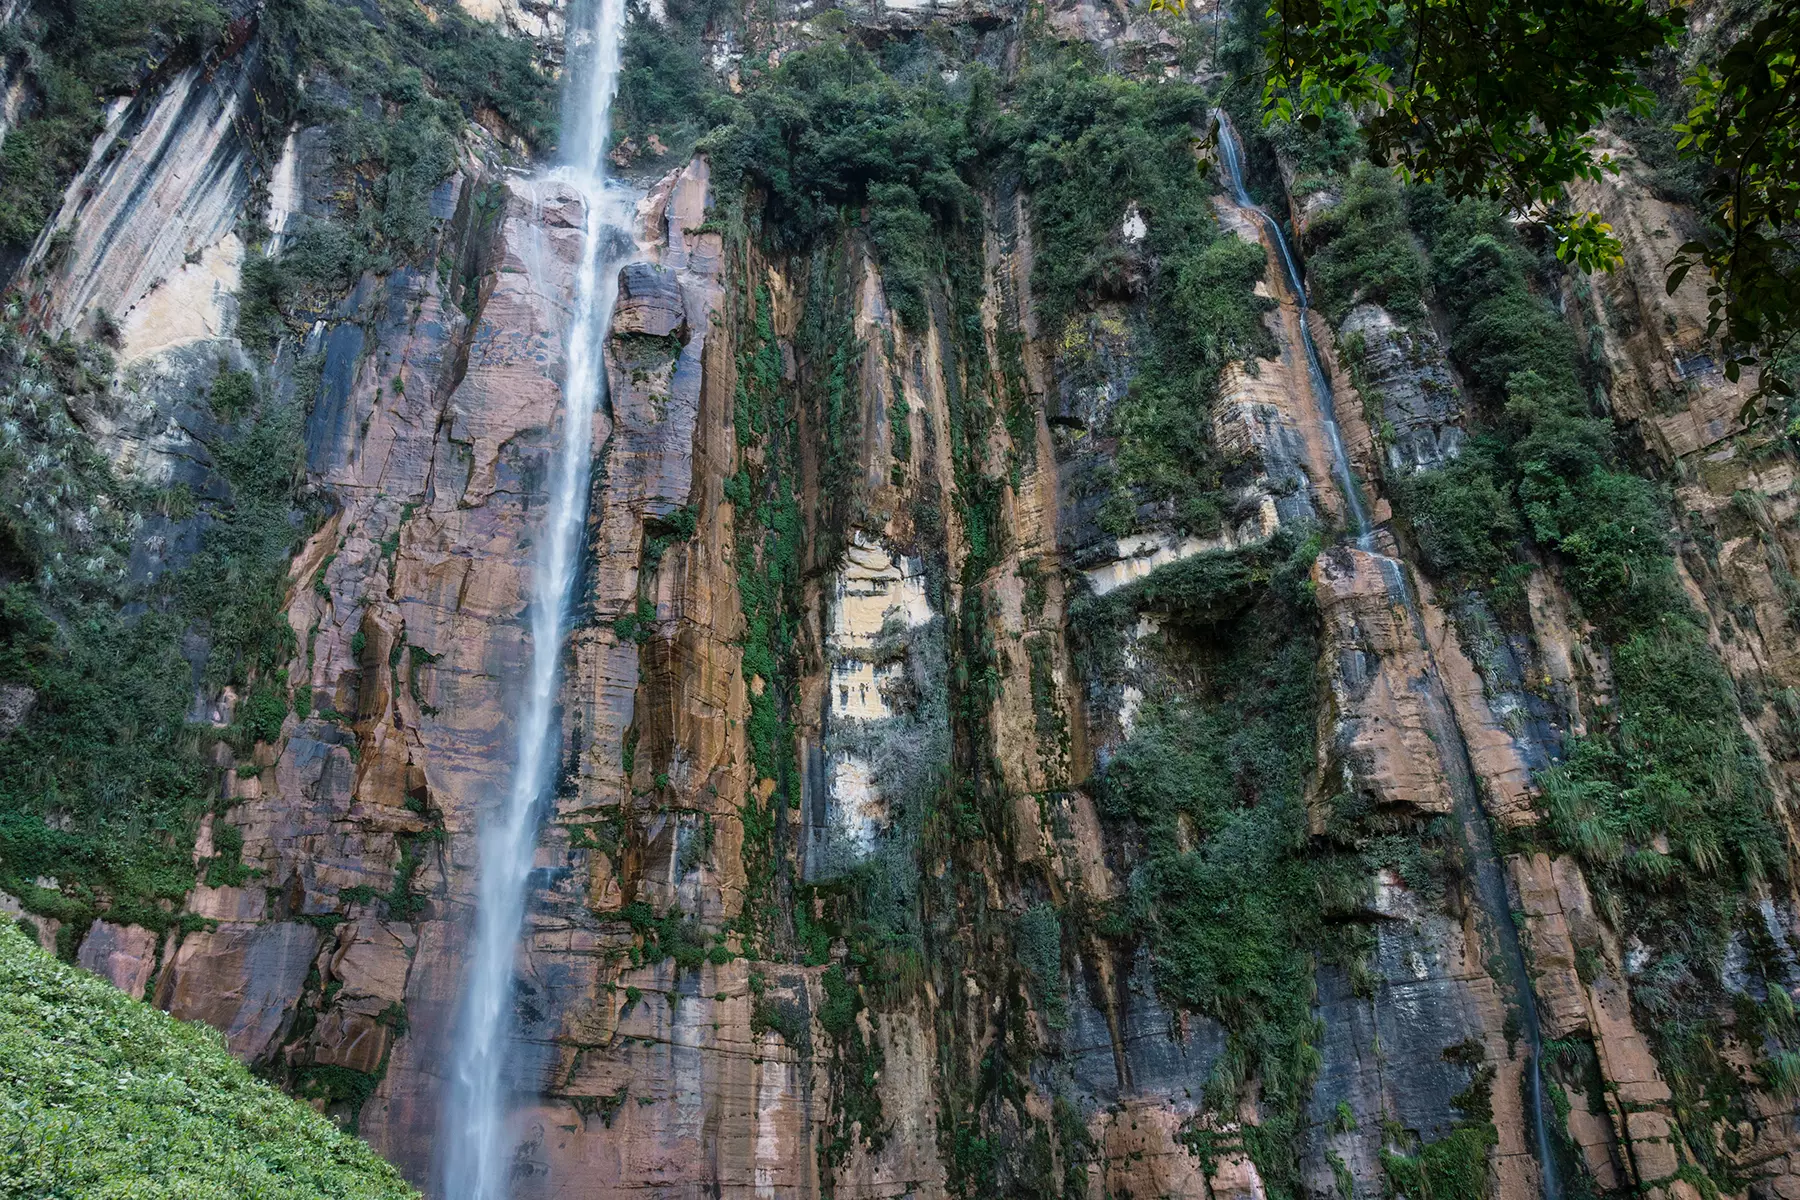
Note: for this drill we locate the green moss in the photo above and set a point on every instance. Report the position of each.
(671, 935)
(101, 1093)
(1364, 250)
(1455, 1167)
(856, 1064)
(1232, 897)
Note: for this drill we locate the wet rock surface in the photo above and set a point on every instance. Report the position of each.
(726, 1072)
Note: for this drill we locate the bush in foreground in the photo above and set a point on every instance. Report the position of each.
(102, 1095)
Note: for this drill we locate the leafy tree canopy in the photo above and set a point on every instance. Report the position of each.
(1500, 98)
(1495, 98)
(1746, 124)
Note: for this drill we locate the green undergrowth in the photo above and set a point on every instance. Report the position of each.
(1320, 158)
(413, 76)
(1234, 899)
(1674, 761)
(1084, 143)
(102, 783)
(667, 90)
(828, 136)
(1363, 250)
(770, 540)
(102, 1095)
(77, 55)
(1455, 1167)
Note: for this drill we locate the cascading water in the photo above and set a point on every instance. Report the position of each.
(1478, 842)
(1233, 156)
(473, 1155)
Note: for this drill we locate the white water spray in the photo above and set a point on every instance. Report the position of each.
(474, 1152)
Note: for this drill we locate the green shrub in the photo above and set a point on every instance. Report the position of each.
(1455, 1167)
(666, 88)
(1234, 900)
(233, 394)
(1463, 515)
(1085, 143)
(1321, 156)
(107, 749)
(1364, 250)
(827, 133)
(101, 1094)
(77, 54)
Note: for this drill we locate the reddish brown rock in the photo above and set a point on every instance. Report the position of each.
(123, 955)
(243, 980)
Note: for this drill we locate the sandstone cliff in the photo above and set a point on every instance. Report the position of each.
(949, 805)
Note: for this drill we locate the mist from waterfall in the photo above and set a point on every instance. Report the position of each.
(474, 1153)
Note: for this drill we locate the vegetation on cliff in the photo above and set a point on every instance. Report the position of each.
(394, 89)
(77, 55)
(1085, 143)
(102, 1095)
(103, 780)
(1666, 802)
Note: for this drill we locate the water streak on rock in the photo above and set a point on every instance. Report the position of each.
(474, 1150)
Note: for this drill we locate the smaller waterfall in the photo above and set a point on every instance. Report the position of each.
(1478, 841)
(1233, 156)
(473, 1150)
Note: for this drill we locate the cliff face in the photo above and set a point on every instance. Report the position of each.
(948, 806)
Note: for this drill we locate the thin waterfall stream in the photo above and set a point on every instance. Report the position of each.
(1478, 842)
(473, 1152)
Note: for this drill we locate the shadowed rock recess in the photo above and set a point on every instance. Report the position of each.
(992, 761)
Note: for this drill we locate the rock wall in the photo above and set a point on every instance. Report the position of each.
(691, 1020)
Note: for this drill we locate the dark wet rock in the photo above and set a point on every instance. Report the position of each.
(650, 303)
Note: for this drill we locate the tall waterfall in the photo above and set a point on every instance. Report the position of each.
(1478, 842)
(473, 1147)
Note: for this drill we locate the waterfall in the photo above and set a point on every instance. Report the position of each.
(1233, 157)
(473, 1150)
(1478, 842)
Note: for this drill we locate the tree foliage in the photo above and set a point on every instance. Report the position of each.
(1500, 99)
(1746, 123)
(1494, 98)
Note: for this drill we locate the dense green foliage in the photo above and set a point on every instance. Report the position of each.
(1678, 762)
(1502, 101)
(1364, 250)
(1086, 143)
(1745, 125)
(828, 135)
(412, 77)
(79, 54)
(1497, 101)
(102, 783)
(1320, 154)
(102, 1095)
(1238, 904)
(666, 88)
(1665, 802)
(1454, 1167)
